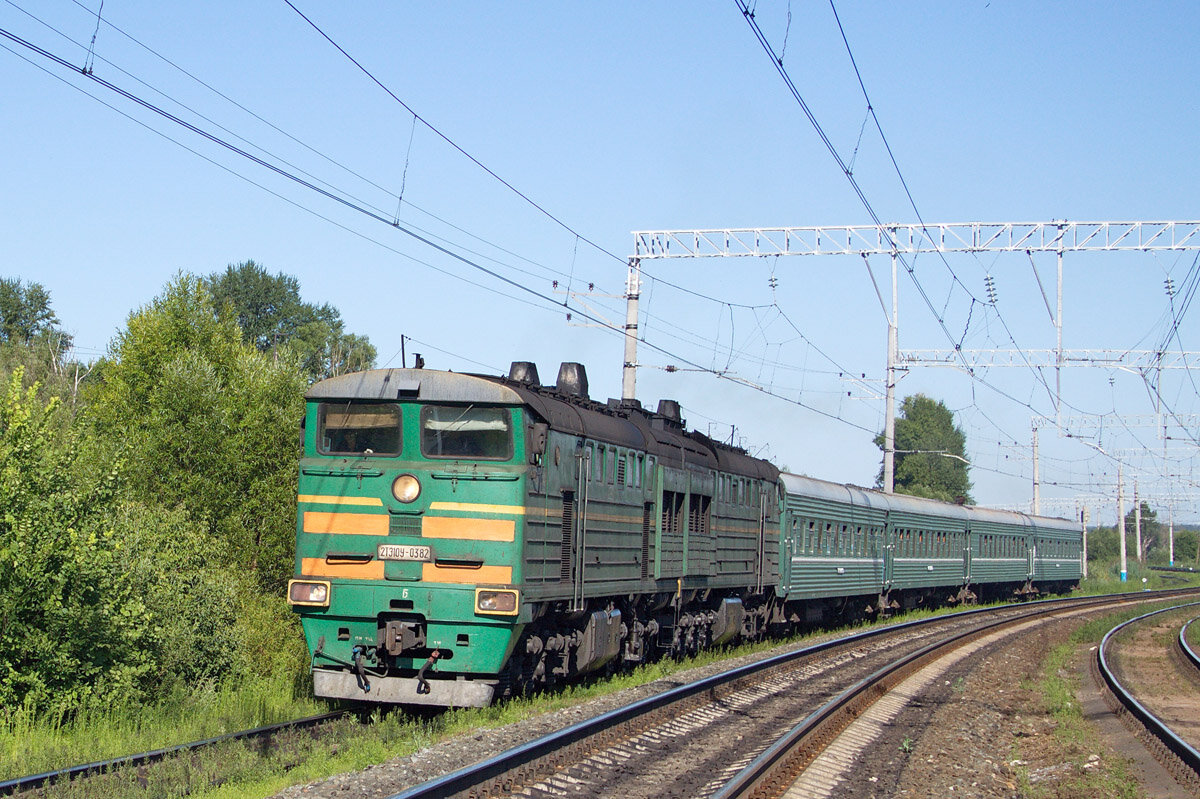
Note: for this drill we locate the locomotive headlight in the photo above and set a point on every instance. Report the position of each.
(406, 488)
(308, 592)
(502, 601)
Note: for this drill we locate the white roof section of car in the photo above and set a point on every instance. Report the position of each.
(421, 384)
(799, 485)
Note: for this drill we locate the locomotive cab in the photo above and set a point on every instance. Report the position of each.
(409, 525)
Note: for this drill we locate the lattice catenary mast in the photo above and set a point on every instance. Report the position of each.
(1058, 237)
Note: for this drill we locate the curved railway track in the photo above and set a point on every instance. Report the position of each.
(1160, 730)
(1185, 648)
(604, 754)
(683, 743)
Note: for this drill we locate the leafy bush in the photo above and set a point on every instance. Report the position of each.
(73, 628)
(210, 424)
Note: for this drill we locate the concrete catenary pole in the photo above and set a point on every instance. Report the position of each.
(632, 290)
(1084, 518)
(889, 419)
(1121, 522)
(1137, 523)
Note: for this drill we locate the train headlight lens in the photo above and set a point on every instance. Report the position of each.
(308, 592)
(406, 488)
(492, 600)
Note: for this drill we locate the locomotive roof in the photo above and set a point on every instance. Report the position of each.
(419, 384)
(624, 424)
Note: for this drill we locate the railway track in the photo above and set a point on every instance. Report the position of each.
(735, 734)
(605, 754)
(82, 771)
(1185, 649)
(1166, 729)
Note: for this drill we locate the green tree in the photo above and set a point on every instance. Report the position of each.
(74, 629)
(193, 602)
(930, 459)
(1104, 544)
(25, 313)
(1187, 547)
(103, 600)
(274, 319)
(32, 339)
(1152, 534)
(208, 423)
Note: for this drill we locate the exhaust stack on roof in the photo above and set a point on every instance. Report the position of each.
(524, 372)
(572, 380)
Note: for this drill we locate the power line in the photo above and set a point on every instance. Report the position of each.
(473, 159)
(331, 160)
(380, 218)
(912, 200)
(450, 141)
(277, 195)
(546, 269)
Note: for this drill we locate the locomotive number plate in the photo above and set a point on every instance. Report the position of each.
(403, 552)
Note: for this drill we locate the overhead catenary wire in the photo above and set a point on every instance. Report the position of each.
(913, 203)
(448, 140)
(777, 63)
(279, 171)
(742, 319)
(748, 15)
(416, 116)
(320, 154)
(400, 195)
(267, 189)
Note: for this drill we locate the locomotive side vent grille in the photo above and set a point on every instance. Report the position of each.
(647, 528)
(568, 534)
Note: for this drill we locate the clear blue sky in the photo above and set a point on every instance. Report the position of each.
(623, 117)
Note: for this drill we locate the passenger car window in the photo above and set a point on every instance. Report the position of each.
(358, 429)
(450, 431)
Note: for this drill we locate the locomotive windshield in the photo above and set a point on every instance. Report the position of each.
(358, 429)
(449, 431)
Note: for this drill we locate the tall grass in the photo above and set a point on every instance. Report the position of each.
(1104, 577)
(32, 743)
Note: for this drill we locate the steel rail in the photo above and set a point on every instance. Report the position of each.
(1186, 648)
(773, 771)
(1182, 752)
(9, 787)
(523, 761)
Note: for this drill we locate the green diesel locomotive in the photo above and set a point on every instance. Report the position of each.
(463, 536)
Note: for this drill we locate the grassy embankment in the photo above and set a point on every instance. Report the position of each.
(31, 744)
